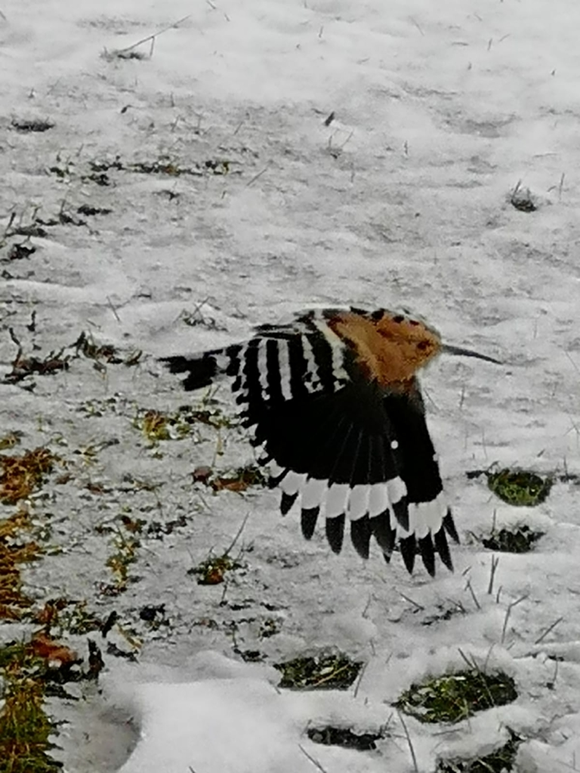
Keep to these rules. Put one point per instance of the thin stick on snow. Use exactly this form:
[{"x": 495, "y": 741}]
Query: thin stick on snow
[
  {"x": 312, "y": 760},
  {"x": 548, "y": 630},
  {"x": 410, "y": 742},
  {"x": 346, "y": 140},
  {"x": 155, "y": 34},
  {"x": 572, "y": 361},
  {"x": 483, "y": 445},
  {"x": 471, "y": 662},
  {"x": 367, "y": 605},
  {"x": 508, "y": 614},
  {"x": 561, "y": 186},
  {"x": 417, "y": 25},
  {"x": 225, "y": 590},
  {"x": 494, "y": 563},
  {"x": 416, "y": 604},
  {"x": 359, "y": 680},
  {"x": 487, "y": 657},
  {"x": 215, "y": 8},
  {"x": 257, "y": 176},
  {"x": 238, "y": 534},
  {"x": 473, "y": 596},
  {"x": 113, "y": 309}
]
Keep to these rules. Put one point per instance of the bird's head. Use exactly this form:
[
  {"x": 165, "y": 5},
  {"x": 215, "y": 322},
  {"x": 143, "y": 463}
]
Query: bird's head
[{"x": 392, "y": 346}]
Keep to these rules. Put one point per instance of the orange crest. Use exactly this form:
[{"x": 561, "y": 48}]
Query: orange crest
[{"x": 390, "y": 347}]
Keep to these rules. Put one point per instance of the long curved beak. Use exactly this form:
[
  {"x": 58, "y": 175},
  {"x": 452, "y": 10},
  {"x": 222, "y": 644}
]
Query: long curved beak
[{"x": 468, "y": 353}]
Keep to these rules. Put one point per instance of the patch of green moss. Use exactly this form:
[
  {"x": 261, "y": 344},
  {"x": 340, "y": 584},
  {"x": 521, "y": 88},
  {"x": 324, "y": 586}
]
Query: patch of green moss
[
  {"x": 453, "y": 697},
  {"x": 502, "y": 759},
  {"x": 519, "y": 487},
  {"x": 520, "y": 540},
  {"x": 12, "y": 653},
  {"x": 325, "y": 672}
]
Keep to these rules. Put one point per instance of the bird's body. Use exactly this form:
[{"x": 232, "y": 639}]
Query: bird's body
[{"x": 333, "y": 400}]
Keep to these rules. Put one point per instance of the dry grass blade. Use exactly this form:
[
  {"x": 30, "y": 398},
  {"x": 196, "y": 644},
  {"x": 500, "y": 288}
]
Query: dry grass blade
[
  {"x": 312, "y": 760},
  {"x": 13, "y": 602},
  {"x": 21, "y": 475},
  {"x": 508, "y": 614},
  {"x": 409, "y": 742},
  {"x": 153, "y": 36},
  {"x": 548, "y": 630}
]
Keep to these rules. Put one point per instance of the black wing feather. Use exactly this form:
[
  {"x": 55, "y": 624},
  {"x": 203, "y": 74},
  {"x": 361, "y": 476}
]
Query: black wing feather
[
  {"x": 443, "y": 548},
  {"x": 330, "y": 430},
  {"x": 287, "y": 501},
  {"x": 360, "y": 534},
  {"x": 427, "y": 551},
  {"x": 201, "y": 371},
  {"x": 408, "y": 547},
  {"x": 449, "y": 526},
  {"x": 419, "y": 468},
  {"x": 335, "y": 532},
  {"x": 384, "y": 534},
  {"x": 308, "y": 518}
]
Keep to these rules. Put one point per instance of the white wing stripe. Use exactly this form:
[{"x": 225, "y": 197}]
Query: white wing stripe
[
  {"x": 313, "y": 493},
  {"x": 292, "y": 483},
  {"x": 274, "y": 469},
  {"x": 262, "y": 366},
  {"x": 378, "y": 499},
  {"x": 311, "y": 379},
  {"x": 359, "y": 501},
  {"x": 337, "y": 348},
  {"x": 222, "y": 360},
  {"x": 284, "y": 365},
  {"x": 336, "y": 499},
  {"x": 396, "y": 490},
  {"x": 424, "y": 518},
  {"x": 242, "y": 371}
]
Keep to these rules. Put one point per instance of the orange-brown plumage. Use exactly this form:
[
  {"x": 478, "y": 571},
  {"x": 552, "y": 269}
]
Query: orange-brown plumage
[
  {"x": 389, "y": 349},
  {"x": 360, "y": 454}
]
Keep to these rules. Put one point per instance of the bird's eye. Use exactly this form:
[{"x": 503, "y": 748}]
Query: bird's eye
[{"x": 423, "y": 345}]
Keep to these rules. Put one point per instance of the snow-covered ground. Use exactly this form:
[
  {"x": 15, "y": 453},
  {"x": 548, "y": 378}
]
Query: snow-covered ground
[{"x": 403, "y": 199}]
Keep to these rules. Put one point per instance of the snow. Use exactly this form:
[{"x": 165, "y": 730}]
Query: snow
[
  {"x": 401, "y": 201},
  {"x": 260, "y": 728}
]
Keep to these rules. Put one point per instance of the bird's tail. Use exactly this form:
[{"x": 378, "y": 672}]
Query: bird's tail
[{"x": 200, "y": 370}]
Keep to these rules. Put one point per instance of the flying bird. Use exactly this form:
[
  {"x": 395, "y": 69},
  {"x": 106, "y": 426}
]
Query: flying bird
[{"x": 333, "y": 400}]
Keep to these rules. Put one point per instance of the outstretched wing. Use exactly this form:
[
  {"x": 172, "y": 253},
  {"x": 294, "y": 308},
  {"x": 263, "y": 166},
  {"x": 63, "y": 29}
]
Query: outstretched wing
[
  {"x": 335, "y": 439},
  {"x": 430, "y": 518}
]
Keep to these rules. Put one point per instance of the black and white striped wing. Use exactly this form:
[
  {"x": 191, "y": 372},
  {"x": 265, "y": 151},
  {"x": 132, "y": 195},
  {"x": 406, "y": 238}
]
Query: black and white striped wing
[
  {"x": 280, "y": 362},
  {"x": 335, "y": 440},
  {"x": 430, "y": 518},
  {"x": 355, "y": 454}
]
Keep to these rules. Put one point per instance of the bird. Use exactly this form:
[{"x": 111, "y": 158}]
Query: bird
[{"x": 332, "y": 400}]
